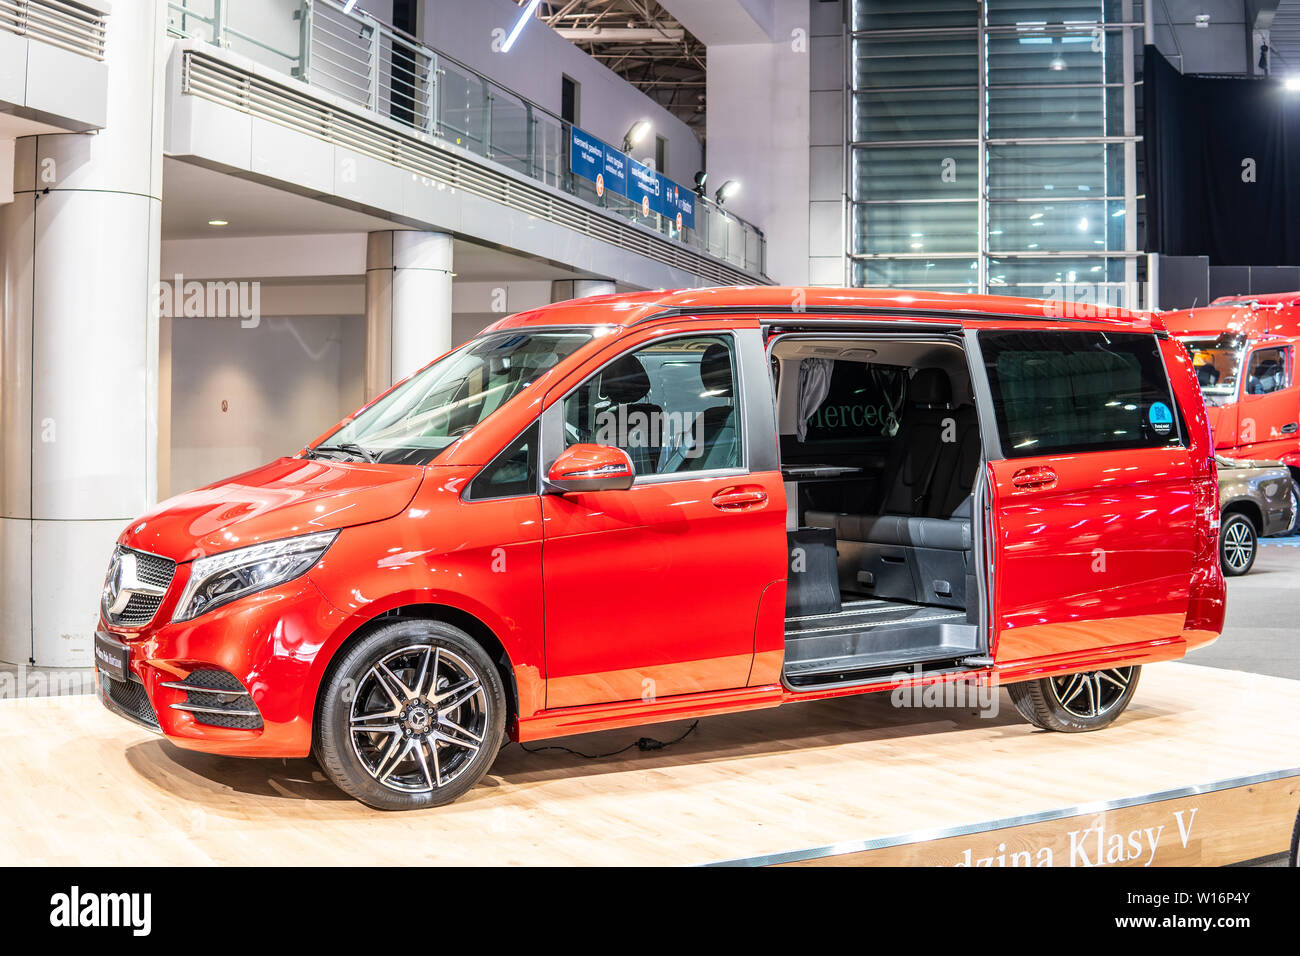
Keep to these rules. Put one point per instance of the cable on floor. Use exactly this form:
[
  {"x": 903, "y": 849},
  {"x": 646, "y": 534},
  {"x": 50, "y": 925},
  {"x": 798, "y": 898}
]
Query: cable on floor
[{"x": 644, "y": 744}]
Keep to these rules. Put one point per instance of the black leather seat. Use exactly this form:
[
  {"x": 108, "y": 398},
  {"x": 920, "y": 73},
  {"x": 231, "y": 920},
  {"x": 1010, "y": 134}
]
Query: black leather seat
[
  {"x": 918, "y": 547},
  {"x": 625, "y": 383},
  {"x": 718, "y": 430}
]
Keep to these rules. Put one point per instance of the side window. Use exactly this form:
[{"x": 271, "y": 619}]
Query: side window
[
  {"x": 510, "y": 474},
  {"x": 1078, "y": 391},
  {"x": 671, "y": 405},
  {"x": 1269, "y": 371}
]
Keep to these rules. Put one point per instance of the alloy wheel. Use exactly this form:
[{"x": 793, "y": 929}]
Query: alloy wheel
[
  {"x": 1238, "y": 546},
  {"x": 1092, "y": 694},
  {"x": 418, "y": 718}
]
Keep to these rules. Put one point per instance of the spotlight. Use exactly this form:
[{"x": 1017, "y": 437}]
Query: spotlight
[
  {"x": 1292, "y": 82},
  {"x": 701, "y": 178},
  {"x": 726, "y": 191},
  {"x": 637, "y": 132}
]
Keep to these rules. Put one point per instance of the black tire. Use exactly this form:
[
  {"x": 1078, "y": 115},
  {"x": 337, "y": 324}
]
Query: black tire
[
  {"x": 1295, "y": 507},
  {"x": 1295, "y": 842},
  {"x": 1060, "y": 703},
  {"x": 446, "y": 727},
  {"x": 1238, "y": 544}
]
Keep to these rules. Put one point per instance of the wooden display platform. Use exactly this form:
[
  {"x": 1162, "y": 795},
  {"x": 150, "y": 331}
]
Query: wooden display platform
[{"x": 1205, "y": 765}]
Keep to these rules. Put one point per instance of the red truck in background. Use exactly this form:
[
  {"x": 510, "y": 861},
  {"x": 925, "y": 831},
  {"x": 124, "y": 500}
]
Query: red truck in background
[{"x": 1243, "y": 349}]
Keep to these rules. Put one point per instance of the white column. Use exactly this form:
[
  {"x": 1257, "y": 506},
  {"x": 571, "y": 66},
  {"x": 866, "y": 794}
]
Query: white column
[
  {"x": 408, "y": 304},
  {"x": 79, "y": 351},
  {"x": 564, "y": 289}
]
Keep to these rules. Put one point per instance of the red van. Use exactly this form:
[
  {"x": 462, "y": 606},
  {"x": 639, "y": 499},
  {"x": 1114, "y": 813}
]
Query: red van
[
  {"x": 640, "y": 508},
  {"x": 1243, "y": 350}
]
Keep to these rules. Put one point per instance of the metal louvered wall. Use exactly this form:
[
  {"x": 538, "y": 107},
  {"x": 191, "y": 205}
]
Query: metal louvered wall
[
  {"x": 994, "y": 146},
  {"x": 68, "y": 26}
]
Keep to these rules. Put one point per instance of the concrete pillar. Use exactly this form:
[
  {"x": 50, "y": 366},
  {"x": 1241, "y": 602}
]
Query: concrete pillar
[
  {"x": 79, "y": 351},
  {"x": 564, "y": 289},
  {"x": 408, "y": 304}
]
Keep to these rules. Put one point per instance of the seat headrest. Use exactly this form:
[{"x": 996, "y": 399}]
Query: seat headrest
[
  {"x": 625, "y": 381},
  {"x": 715, "y": 370},
  {"x": 930, "y": 386}
]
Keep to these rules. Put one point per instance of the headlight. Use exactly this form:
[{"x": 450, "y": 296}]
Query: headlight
[{"x": 222, "y": 578}]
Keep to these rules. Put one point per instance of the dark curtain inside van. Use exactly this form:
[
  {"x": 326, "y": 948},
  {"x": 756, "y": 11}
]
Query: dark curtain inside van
[{"x": 1218, "y": 180}]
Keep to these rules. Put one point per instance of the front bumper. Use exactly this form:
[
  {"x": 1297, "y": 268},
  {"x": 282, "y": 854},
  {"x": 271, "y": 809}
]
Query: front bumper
[
  {"x": 126, "y": 699},
  {"x": 239, "y": 680}
]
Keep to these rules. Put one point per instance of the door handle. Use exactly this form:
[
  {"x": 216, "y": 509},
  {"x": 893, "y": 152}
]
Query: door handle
[
  {"x": 1289, "y": 428},
  {"x": 736, "y": 499},
  {"x": 1035, "y": 478}
]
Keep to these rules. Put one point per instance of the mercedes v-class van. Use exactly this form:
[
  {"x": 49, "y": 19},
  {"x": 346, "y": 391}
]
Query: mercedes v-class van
[{"x": 638, "y": 508}]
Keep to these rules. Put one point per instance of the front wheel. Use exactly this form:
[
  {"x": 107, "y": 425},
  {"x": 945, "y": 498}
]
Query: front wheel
[
  {"x": 1074, "y": 703},
  {"x": 1294, "y": 498},
  {"x": 1237, "y": 544},
  {"x": 411, "y": 716}
]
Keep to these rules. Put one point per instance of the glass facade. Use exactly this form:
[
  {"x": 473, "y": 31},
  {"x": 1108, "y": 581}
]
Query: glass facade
[{"x": 994, "y": 148}]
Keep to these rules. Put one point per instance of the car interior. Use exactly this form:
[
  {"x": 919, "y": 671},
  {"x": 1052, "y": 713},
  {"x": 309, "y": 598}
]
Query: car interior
[{"x": 880, "y": 451}]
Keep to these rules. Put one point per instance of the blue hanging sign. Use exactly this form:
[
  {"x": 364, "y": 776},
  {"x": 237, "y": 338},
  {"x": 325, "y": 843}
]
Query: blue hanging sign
[{"x": 611, "y": 169}]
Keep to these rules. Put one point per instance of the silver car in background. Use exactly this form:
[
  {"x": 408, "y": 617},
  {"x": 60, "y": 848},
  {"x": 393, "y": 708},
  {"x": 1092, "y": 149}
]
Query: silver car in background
[{"x": 1258, "y": 499}]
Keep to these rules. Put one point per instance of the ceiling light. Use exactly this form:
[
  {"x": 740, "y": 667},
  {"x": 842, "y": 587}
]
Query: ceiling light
[
  {"x": 1292, "y": 82},
  {"x": 727, "y": 190},
  {"x": 1058, "y": 63},
  {"x": 218, "y": 222},
  {"x": 520, "y": 24},
  {"x": 1083, "y": 224},
  {"x": 1037, "y": 215},
  {"x": 1202, "y": 21}
]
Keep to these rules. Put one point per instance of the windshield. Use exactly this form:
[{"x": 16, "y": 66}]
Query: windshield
[
  {"x": 416, "y": 421},
  {"x": 1217, "y": 362}
]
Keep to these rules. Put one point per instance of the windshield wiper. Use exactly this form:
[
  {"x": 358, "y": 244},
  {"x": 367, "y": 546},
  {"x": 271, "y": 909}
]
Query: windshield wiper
[{"x": 348, "y": 448}]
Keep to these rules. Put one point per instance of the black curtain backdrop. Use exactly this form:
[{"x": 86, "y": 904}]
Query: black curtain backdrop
[{"x": 1198, "y": 132}]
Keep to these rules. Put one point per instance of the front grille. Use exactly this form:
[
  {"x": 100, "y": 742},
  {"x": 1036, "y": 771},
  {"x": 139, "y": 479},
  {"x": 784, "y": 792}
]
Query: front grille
[
  {"x": 154, "y": 570},
  {"x": 139, "y": 610},
  {"x": 130, "y": 698},
  {"x": 146, "y": 588},
  {"x": 217, "y": 698}
]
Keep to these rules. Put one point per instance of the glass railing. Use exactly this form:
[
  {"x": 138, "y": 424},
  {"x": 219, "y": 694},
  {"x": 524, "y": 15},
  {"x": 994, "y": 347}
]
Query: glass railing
[{"x": 366, "y": 62}]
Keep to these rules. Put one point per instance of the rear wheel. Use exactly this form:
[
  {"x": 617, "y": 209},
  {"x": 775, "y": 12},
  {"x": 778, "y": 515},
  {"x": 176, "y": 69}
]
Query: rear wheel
[
  {"x": 1074, "y": 703},
  {"x": 1295, "y": 842},
  {"x": 412, "y": 716},
  {"x": 1238, "y": 544}
]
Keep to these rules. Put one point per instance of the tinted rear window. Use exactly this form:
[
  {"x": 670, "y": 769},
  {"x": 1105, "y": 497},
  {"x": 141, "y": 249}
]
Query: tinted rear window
[{"x": 1078, "y": 391}]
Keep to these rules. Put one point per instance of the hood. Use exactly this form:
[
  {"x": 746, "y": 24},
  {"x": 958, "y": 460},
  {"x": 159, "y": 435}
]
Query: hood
[
  {"x": 1257, "y": 465},
  {"x": 290, "y": 496}
]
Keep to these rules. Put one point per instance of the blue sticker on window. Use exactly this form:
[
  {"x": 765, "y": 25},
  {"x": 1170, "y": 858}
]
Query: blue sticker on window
[{"x": 1161, "y": 418}]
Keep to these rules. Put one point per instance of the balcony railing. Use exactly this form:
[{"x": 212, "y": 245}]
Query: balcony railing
[{"x": 366, "y": 62}]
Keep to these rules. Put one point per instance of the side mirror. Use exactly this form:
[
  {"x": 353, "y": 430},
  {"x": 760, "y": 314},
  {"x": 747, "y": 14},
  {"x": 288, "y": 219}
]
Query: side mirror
[{"x": 591, "y": 468}]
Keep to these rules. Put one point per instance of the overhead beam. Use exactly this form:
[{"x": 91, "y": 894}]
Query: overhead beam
[
  {"x": 725, "y": 22},
  {"x": 623, "y": 34}
]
